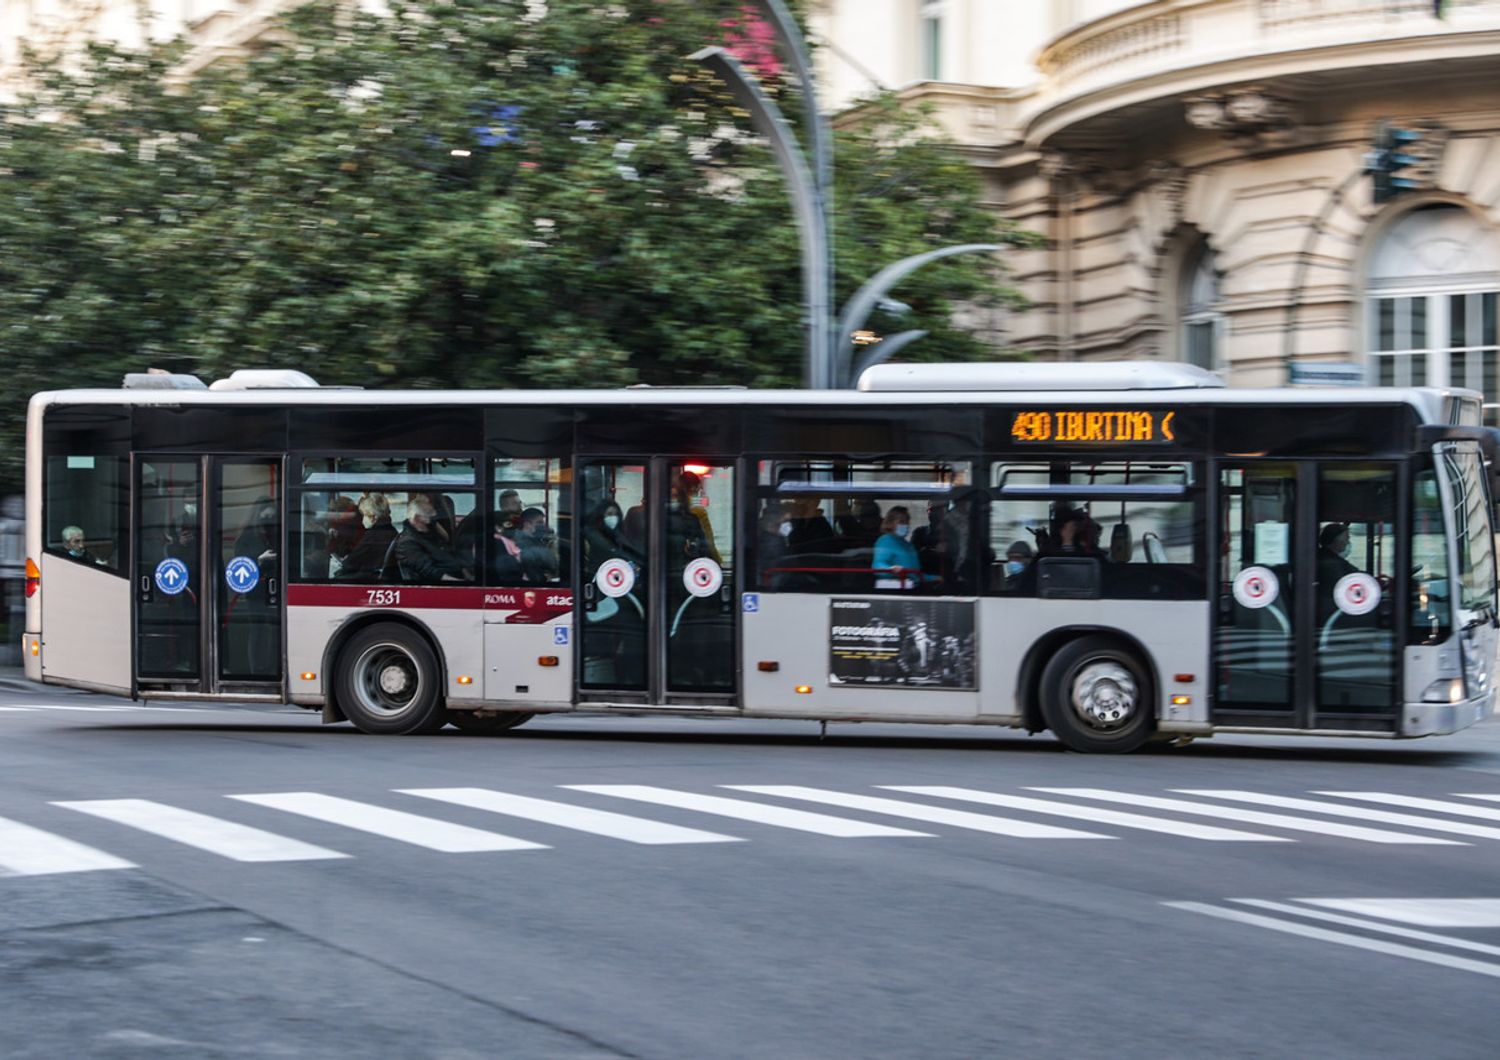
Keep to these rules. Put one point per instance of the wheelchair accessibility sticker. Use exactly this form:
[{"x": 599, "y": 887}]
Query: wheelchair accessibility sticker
[
  {"x": 560, "y": 635},
  {"x": 750, "y": 603}
]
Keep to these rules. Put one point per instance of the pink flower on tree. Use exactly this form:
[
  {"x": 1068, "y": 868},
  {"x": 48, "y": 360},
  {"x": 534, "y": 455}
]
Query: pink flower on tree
[{"x": 752, "y": 40}]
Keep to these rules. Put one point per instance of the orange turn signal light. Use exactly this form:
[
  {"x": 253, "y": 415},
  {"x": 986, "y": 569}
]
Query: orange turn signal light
[
  {"x": 308, "y": 675},
  {"x": 803, "y": 690},
  {"x": 33, "y": 577},
  {"x": 465, "y": 680},
  {"x": 546, "y": 660},
  {"x": 1181, "y": 701},
  {"x": 1184, "y": 679},
  {"x": 768, "y": 666},
  {"x": 36, "y": 646}
]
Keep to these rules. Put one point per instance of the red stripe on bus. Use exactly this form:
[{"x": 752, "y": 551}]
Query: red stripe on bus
[{"x": 523, "y": 605}]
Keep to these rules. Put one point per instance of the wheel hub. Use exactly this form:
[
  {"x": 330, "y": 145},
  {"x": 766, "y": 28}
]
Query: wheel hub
[
  {"x": 1104, "y": 695},
  {"x": 394, "y": 680}
]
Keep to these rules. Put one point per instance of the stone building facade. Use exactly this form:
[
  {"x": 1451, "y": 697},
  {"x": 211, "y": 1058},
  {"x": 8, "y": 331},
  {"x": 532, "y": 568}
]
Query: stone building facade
[
  {"x": 1197, "y": 166},
  {"x": 1199, "y": 170}
]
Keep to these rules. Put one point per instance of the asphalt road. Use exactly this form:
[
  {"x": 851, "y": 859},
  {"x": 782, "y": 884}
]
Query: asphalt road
[{"x": 574, "y": 890}]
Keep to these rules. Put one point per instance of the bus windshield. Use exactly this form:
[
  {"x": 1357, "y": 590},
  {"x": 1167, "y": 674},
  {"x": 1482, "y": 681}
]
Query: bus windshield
[{"x": 1471, "y": 531}]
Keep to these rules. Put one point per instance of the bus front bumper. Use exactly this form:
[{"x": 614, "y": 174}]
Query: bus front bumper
[{"x": 1434, "y": 719}]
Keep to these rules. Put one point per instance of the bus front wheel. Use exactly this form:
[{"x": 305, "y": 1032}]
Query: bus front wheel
[
  {"x": 1097, "y": 697},
  {"x": 468, "y": 721},
  {"x": 388, "y": 682}
]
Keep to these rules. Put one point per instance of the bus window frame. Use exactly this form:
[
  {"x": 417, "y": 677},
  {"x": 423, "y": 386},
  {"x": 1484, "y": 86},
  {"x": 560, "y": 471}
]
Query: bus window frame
[
  {"x": 755, "y": 495},
  {"x": 295, "y": 489}
]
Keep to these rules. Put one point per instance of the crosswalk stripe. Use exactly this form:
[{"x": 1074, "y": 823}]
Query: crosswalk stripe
[
  {"x": 28, "y": 851},
  {"x": 403, "y": 827},
  {"x": 1489, "y": 798},
  {"x": 1367, "y": 925},
  {"x": 1363, "y": 813},
  {"x": 1394, "y": 949},
  {"x": 1234, "y": 813},
  {"x": 215, "y": 835},
  {"x": 978, "y": 822},
  {"x": 1095, "y": 814},
  {"x": 579, "y": 818},
  {"x": 778, "y": 816},
  {"x": 1422, "y": 912},
  {"x": 1412, "y": 802}
]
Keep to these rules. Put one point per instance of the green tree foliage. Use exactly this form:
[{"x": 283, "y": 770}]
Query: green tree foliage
[{"x": 466, "y": 193}]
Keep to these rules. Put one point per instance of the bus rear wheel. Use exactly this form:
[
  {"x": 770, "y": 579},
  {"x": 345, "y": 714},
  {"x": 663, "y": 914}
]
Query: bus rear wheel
[
  {"x": 1097, "y": 697},
  {"x": 468, "y": 721},
  {"x": 387, "y": 682}
]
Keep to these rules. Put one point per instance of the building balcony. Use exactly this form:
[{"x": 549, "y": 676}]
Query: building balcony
[{"x": 1101, "y": 78}]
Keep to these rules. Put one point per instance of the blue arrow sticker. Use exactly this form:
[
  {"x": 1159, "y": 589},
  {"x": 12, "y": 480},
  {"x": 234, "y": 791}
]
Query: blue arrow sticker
[
  {"x": 560, "y": 635},
  {"x": 171, "y": 576},
  {"x": 242, "y": 573}
]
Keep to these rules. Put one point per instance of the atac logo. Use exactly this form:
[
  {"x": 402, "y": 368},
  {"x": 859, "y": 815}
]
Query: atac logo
[{"x": 528, "y": 599}]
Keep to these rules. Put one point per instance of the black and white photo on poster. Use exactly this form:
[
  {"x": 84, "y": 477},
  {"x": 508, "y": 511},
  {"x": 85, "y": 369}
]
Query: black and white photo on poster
[{"x": 902, "y": 641}]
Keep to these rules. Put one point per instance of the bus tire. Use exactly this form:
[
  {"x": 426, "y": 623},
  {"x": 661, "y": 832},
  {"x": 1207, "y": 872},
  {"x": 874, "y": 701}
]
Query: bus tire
[
  {"x": 389, "y": 682},
  {"x": 1097, "y": 697},
  {"x": 467, "y": 721}
]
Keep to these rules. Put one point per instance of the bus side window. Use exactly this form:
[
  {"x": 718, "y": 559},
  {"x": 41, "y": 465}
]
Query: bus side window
[
  {"x": 530, "y": 522},
  {"x": 87, "y": 506}
]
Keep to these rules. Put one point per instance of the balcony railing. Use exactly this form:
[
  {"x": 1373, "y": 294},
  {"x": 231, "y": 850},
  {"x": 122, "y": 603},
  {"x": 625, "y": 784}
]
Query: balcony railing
[{"x": 1151, "y": 38}]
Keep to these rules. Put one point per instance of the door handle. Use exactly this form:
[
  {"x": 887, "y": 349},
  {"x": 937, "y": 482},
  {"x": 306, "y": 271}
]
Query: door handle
[{"x": 271, "y": 588}]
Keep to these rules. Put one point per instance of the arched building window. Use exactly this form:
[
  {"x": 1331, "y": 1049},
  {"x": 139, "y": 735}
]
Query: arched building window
[
  {"x": 1200, "y": 319},
  {"x": 1430, "y": 291}
]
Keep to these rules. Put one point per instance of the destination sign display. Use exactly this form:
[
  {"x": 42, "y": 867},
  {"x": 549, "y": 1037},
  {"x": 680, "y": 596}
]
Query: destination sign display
[{"x": 1094, "y": 427}]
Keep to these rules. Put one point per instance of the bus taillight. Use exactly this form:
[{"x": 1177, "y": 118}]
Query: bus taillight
[{"x": 33, "y": 577}]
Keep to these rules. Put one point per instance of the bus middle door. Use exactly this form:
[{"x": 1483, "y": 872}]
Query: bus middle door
[{"x": 657, "y": 622}]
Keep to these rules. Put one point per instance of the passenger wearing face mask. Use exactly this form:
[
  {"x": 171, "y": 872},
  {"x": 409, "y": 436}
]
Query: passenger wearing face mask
[
  {"x": 422, "y": 553},
  {"x": 603, "y": 537},
  {"x": 1333, "y": 564},
  {"x": 73, "y": 541},
  {"x": 366, "y": 560},
  {"x": 897, "y": 565},
  {"x": 1017, "y": 559}
]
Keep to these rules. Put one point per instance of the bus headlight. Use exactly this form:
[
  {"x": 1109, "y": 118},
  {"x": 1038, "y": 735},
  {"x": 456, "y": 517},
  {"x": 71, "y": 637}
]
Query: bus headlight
[{"x": 1448, "y": 690}]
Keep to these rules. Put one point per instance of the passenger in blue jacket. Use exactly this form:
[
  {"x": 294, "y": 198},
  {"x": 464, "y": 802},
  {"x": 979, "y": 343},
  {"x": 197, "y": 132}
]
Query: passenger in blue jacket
[{"x": 897, "y": 565}]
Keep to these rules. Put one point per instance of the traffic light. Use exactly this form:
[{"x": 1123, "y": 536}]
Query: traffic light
[{"x": 1390, "y": 154}]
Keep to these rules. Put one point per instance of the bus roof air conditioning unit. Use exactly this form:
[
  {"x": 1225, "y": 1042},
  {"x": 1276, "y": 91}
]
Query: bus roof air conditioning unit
[
  {"x": 265, "y": 379},
  {"x": 1039, "y": 375},
  {"x": 156, "y": 379}
]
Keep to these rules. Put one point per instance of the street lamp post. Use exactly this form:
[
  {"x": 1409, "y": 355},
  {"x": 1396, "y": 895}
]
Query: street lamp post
[
  {"x": 809, "y": 205},
  {"x": 830, "y": 347}
]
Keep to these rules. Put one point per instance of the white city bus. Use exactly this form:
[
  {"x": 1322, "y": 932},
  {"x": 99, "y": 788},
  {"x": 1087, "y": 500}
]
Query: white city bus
[{"x": 1115, "y": 552}]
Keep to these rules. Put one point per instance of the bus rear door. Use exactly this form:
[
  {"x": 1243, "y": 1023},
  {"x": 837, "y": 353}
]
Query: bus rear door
[
  {"x": 208, "y": 575},
  {"x": 656, "y": 618}
]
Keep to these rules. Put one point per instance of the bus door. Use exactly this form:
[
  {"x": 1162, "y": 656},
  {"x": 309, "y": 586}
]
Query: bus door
[
  {"x": 656, "y": 621},
  {"x": 208, "y": 574},
  {"x": 1311, "y": 562}
]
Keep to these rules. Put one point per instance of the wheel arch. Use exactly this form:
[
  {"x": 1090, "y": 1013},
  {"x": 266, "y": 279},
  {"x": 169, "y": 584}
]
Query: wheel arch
[
  {"x": 1029, "y": 677},
  {"x": 332, "y": 711}
]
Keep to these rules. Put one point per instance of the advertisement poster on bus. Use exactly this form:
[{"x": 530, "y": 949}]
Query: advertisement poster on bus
[{"x": 902, "y": 641}]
